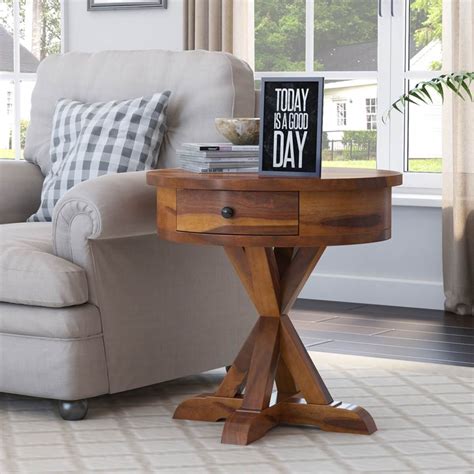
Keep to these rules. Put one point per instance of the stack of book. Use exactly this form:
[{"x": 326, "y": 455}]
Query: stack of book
[{"x": 218, "y": 157}]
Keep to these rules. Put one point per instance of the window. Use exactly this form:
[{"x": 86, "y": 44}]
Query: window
[
  {"x": 371, "y": 113},
  {"x": 29, "y": 31},
  {"x": 341, "y": 113},
  {"x": 9, "y": 104},
  {"x": 422, "y": 61},
  {"x": 368, "y": 52}
]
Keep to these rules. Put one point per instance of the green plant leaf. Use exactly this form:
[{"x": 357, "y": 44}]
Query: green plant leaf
[
  {"x": 466, "y": 88},
  {"x": 451, "y": 85},
  {"x": 425, "y": 91},
  {"x": 395, "y": 106},
  {"x": 409, "y": 99},
  {"x": 457, "y": 83},
  {"x": 438, "y": 88},
  {"x": 417, "y": 95}
]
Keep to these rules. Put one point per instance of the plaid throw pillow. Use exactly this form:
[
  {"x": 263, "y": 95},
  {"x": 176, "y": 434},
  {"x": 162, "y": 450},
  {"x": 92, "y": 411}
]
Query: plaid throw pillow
[{"x": 90, "y": 140}]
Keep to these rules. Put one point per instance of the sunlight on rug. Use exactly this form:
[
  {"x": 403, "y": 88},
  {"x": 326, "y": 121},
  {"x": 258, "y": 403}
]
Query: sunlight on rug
[{"x": 424, "y": 413}]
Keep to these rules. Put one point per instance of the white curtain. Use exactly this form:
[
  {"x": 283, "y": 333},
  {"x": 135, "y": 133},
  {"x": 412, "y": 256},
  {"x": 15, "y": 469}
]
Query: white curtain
[
  {"x": 220, "y": 25},
  {"x": 458, "y": 162}
]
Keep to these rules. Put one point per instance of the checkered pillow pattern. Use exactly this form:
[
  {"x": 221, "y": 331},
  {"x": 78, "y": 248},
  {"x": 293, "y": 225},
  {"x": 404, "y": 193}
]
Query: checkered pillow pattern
[{"x": 90, "y": 140}]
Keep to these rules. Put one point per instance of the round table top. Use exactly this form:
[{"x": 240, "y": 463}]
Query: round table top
[
  {"x": 332, "y": 179},
  {"x": 345, "y": 206}
]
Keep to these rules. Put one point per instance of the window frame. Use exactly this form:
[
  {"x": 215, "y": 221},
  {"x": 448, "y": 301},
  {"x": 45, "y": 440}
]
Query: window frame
[
  {"x": 398, "y": 123},
  {"x": 17, "y": 77},
  {"x": 341, "y": 113},
  {"x": 371, "y": 113},
  {"x": 391, "y": 77}
]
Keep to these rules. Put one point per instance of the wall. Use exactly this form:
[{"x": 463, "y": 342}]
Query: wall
[
  {"x": 154, "y": 28},
  {"x": 405, "y": 271}
]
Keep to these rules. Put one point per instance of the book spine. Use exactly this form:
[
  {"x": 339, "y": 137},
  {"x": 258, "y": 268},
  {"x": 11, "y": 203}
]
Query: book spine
[
  {"x": 221, "y": 170},
  {"x": 212, "y": 148},
  {"x": 228, "y": 170},
  {"x": 248, "y": 148}
]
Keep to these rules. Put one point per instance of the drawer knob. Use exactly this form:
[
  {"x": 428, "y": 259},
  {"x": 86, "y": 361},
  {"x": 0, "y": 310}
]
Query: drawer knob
[{"x": 227, "y": 212}]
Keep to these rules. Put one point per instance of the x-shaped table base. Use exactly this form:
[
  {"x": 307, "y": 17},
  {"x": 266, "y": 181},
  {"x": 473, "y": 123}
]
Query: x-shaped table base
[{"x": 273, "y": 352}]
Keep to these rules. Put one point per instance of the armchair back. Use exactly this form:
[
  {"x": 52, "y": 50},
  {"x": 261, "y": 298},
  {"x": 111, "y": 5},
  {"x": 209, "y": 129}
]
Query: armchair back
[{"x": 204, "y": 85}]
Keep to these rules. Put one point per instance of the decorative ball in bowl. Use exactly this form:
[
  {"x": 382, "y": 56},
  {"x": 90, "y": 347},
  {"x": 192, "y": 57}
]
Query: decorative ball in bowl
[{"x": 239, "y": 131}]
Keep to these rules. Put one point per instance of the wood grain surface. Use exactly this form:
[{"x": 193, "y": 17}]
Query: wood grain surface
[
  {"x": 344, "y": 207},
  {"x": 255, "y": 212},
  {"x": 273, "y": 352},
  {"x": 275, "y": 234},
  {"x": 331, "y": 179}
]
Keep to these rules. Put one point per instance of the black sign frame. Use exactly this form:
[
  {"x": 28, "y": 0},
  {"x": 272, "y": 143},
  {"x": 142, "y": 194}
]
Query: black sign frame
[{"x": 264, "y": 169}]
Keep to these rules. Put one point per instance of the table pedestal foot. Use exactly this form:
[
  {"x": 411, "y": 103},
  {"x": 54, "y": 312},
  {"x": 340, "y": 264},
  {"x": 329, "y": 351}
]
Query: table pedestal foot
[
  {"x": 273, "y": 352},
  {"x": 243, "y": 427},
  {"x": 207, "y": 407},
  {"x": 337, "y": 417}
]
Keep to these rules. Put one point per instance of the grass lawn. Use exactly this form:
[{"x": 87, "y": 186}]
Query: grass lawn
[
  {"x": 426, "y": 165},
  {"x": 349, "y": 164},
  {"x": 6, "y": 154}
]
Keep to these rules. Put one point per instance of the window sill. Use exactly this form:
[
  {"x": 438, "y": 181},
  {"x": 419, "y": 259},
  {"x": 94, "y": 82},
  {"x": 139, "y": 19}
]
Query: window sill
[{"x": 419, "y": 199}]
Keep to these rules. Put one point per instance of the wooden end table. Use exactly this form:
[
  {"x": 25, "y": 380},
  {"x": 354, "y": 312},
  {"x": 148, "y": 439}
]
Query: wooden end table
[{"x": 274, "y": 231}]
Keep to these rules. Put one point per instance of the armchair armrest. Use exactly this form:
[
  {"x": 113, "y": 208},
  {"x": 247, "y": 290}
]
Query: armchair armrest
[
  {"x": 109, "y": 207},
  {"x": 20, "y": 190}
]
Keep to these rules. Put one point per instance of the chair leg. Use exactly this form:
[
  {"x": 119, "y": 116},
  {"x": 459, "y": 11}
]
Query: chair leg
[{"x": 73, "y": 410}]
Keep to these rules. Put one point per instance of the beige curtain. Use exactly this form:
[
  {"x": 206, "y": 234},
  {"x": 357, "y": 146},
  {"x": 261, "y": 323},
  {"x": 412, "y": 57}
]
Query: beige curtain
[
  {"x": 220, "y": 25},
  {"x": 458, "y": 162}
]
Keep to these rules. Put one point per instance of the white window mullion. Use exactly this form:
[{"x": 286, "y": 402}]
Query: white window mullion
[
  {"x": 399, "y": 122},
  {"x": 396, "y": 122},
  {"x": 383, "y": 84},
  {"x": 309, "y": 37},
  {"x": 16, "y": 80},
  {"x": 64, "y": 44},
  {"x": 329, "y": 75},
  {"x": 23, "y": 76}
]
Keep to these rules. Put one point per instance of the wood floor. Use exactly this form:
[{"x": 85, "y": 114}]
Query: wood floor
[{"x": 385, "y": 331}]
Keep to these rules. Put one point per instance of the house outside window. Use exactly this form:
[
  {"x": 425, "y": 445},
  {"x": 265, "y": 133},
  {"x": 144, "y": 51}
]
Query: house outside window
[
  {"x": 9, "y": 104},
  {"x": 371, "y": 113},
  {"x": 29, "y": 31},
  {"x": 341, "y": 111},
  {"x": 363, "y": 49}
]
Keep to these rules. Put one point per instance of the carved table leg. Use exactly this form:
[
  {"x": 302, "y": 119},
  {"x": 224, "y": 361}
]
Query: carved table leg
[{"x": 273, "y": 352}]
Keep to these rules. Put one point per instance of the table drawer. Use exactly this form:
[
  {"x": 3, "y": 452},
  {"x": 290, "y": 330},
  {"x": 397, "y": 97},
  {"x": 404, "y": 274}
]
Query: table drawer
[{"x": 237, "y": 212}]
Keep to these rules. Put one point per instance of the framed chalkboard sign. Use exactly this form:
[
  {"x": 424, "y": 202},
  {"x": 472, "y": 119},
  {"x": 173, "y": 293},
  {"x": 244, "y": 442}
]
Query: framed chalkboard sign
[{"x": 291, "y": 112}]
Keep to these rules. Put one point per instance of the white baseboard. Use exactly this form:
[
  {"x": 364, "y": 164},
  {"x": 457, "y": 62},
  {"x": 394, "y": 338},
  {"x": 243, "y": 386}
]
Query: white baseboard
[{"x": 374, "y": 290}]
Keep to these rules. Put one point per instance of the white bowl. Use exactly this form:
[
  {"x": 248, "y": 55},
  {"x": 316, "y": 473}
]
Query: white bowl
[{"x": 239, "y": 131}]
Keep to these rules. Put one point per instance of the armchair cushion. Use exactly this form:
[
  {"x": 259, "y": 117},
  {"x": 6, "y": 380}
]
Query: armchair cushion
[
  {"x": 31, "y": 274},
  {"x": 20, "y": 190},
  {"x": 91, "y": 140},
  {"x": 205, "y": 85}
]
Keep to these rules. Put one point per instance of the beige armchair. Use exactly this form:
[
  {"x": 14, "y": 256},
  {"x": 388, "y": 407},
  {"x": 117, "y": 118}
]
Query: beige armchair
[{"x": 95, "y": 302}]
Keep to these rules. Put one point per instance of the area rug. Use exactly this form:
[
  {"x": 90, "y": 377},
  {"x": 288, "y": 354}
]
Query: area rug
[{"x": 424, "y": 413}]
